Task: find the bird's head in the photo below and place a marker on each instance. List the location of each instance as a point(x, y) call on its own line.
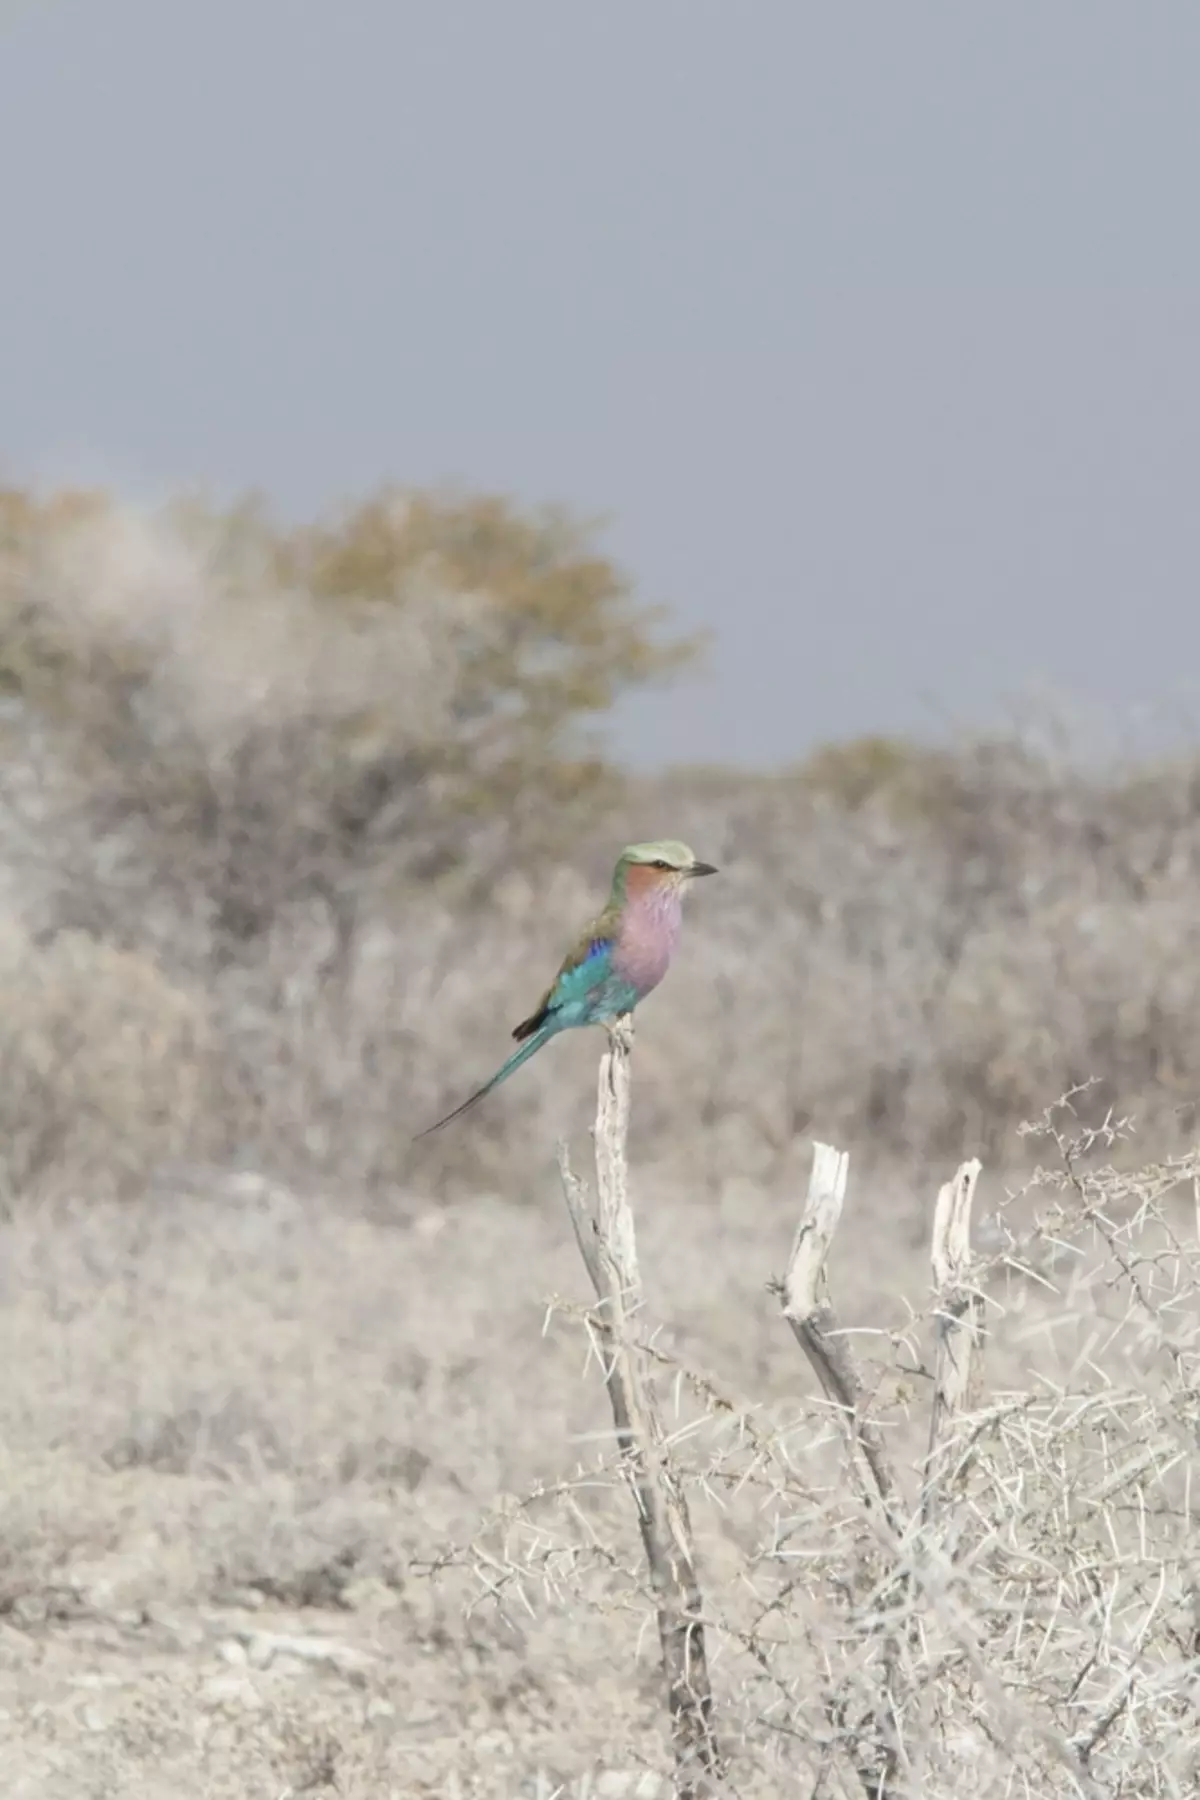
point(667, 866)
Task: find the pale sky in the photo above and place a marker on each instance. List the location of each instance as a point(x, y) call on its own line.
point(875, 327)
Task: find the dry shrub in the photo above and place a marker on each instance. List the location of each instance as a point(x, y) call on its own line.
point(1018, 1615)
point(342, 780)
point(105, 1064)
point(907, 983)
point(916, 971)
point(260, 717)
point(248, 751)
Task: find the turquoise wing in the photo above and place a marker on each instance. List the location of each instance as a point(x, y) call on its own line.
point(585, 975)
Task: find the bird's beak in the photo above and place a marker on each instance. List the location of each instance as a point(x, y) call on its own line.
point(699, 868)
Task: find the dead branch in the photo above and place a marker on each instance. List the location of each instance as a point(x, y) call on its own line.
point(959, 1327)
point(608, 1244)
point(810, 1313)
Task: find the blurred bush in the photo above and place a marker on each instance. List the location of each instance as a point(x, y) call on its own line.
point(276, 714)
point(106, 1066)
point(336, 792)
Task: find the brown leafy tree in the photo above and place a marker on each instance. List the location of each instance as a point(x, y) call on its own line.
point(264, 714)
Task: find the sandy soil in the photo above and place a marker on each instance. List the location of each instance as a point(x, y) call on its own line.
point(239, 1424)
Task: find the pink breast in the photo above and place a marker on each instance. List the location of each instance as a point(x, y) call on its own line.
point(649, 934)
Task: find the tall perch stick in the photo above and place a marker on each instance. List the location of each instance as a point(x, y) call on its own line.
point(809, 1311)
point(959, 1328)
point(883, 1763)
point(608, 1244)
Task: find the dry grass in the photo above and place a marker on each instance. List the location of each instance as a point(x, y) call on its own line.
point(233, 1413)
point(230, 1411)
point(105, 1063)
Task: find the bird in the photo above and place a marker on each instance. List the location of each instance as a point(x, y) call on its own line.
point(615, 962)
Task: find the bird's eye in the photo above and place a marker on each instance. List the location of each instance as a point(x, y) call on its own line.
point(658, 863)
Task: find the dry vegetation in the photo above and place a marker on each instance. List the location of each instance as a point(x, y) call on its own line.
point(338, 787)
point(298, 1496)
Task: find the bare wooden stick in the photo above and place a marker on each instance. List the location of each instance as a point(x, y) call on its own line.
point(608, 1245)
point(959, 1314)
point(810, 1313)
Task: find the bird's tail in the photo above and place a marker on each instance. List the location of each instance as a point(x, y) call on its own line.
point(529, 1048)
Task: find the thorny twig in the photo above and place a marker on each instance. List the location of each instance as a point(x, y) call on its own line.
point(1029, 1627)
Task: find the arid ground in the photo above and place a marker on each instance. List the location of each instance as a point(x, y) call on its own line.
point(240, 1425)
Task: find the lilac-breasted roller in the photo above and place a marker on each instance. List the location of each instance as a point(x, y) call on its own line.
point(616, 961)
